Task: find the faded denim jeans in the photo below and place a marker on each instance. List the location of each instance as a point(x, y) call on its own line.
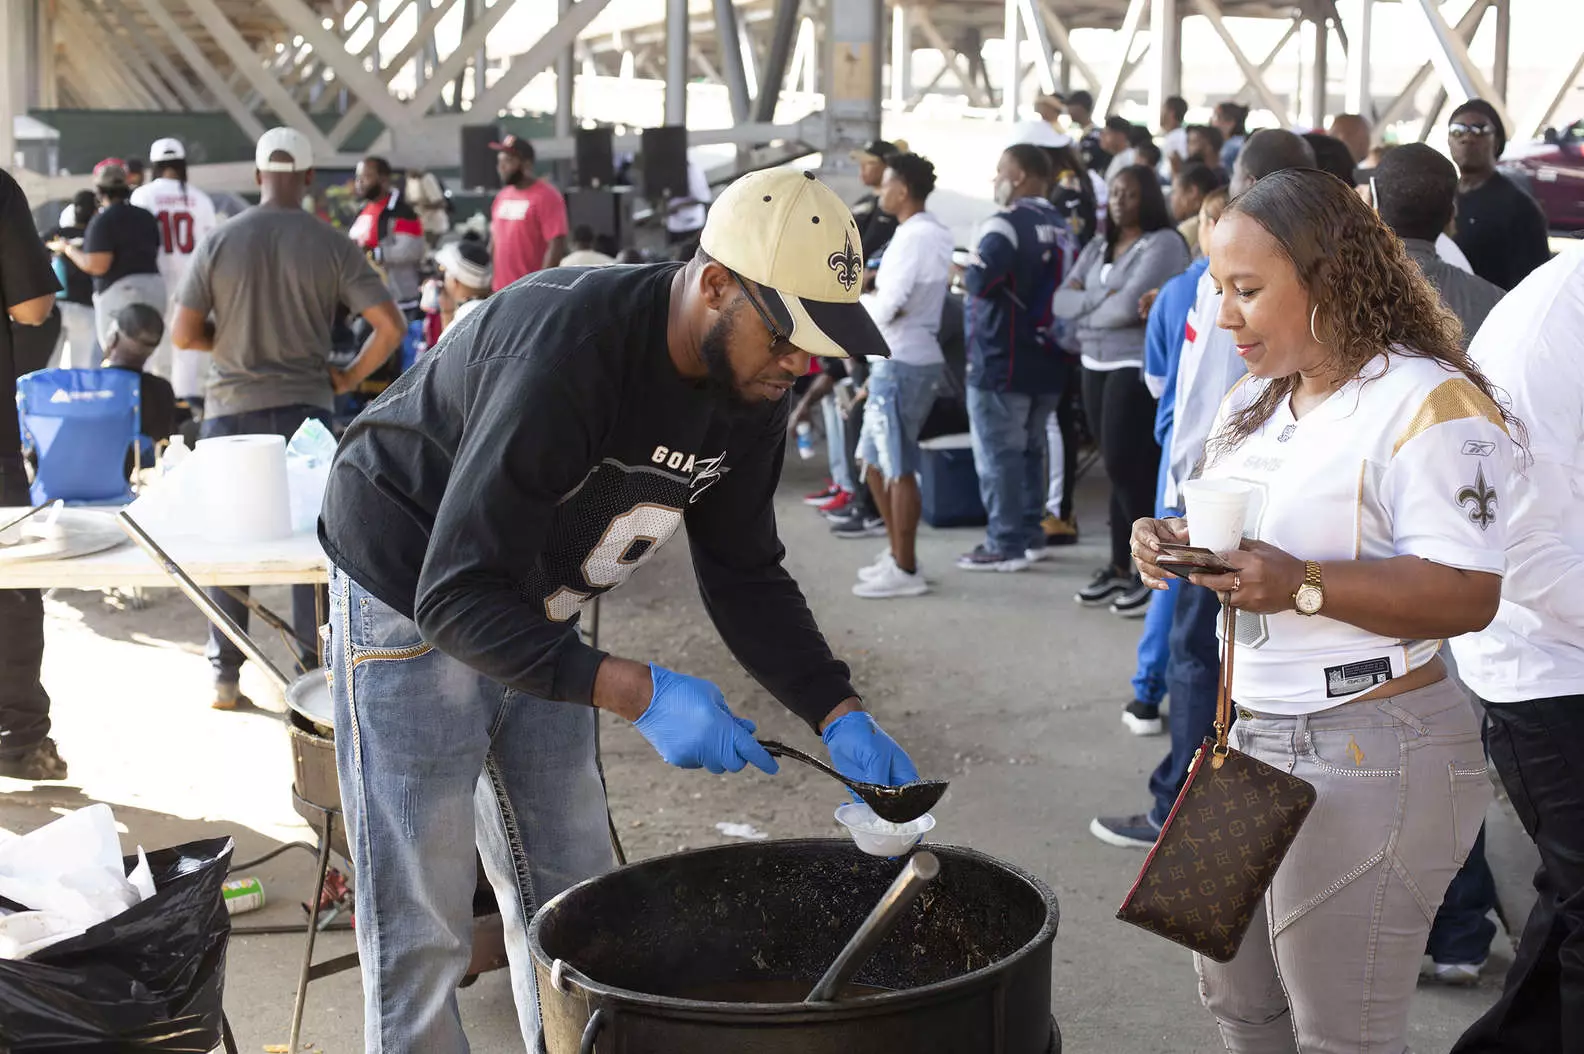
point(435, 757)
point(1332, 959)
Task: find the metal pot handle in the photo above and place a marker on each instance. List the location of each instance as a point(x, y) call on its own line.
point(591, 1031)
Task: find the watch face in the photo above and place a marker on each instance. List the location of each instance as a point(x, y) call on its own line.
point(1309, 599)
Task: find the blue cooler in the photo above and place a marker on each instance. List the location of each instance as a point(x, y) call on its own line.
point(948, 484)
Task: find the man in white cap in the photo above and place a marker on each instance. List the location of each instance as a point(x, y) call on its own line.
point(543, 451)
point(260, 296)
point(185, 215)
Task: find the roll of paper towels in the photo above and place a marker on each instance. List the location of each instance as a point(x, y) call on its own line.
point(242, 488)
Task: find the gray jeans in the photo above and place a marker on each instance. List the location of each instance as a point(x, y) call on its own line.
point(1332, 958)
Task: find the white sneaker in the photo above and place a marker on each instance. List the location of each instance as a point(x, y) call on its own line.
point(1458, 975)
point(877, 567)
point(1039, 555)
point(891, 581)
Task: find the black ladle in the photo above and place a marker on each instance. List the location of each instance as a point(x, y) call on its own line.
point(893, 804)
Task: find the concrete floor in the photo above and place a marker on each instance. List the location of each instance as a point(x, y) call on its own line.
point(999, 682)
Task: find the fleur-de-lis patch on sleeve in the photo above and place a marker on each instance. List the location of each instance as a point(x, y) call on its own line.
point(1480, 497)
point(846, 263)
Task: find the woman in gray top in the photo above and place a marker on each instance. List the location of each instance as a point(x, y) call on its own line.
point(1140, 251)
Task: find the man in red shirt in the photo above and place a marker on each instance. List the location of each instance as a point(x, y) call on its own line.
point(528, 224)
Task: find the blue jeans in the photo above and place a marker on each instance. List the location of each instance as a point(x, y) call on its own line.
point(836, 442)
point(434, 758)
point(900, 399)
point(225, 657)
point(1462, 930)
point(1154, 647)
point(1192, 674)
point(1008, 432)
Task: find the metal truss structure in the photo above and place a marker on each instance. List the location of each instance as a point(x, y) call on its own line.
point(296, 61)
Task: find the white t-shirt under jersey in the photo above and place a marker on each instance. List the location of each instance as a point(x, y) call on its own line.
point(185, 215)
point(1407, 459)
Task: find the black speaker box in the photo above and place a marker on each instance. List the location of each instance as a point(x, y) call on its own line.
point(664, 162)
point(596, 160)
point(478, 160)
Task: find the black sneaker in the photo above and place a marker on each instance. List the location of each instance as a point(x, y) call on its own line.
point(858, 526)
point(40, 763)
point(1129, 832)
point(1143, 719)
point(1103, 588)
point(1135, 602)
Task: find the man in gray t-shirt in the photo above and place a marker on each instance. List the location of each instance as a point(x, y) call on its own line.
point(272, 278)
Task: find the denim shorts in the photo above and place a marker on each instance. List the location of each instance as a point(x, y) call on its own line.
point(900, 399)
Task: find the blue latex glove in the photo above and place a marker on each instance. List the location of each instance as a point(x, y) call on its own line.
point(690, 726)
point(861, 750)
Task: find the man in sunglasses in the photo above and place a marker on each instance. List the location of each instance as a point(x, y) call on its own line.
point(531, 462)
point(1499, 227)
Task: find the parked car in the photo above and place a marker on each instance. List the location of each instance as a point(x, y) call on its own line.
point(1552, 170)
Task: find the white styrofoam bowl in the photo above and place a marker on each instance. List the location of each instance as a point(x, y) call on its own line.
point(877, 837)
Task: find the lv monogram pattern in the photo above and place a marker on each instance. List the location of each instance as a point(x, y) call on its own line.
point(1218, 853)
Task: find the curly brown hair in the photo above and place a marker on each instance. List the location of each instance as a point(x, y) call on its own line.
point(1370, 297)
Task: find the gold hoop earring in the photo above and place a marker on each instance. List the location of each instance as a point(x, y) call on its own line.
point(1312, 331)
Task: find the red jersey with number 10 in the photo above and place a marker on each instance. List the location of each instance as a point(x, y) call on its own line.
point(523, 222)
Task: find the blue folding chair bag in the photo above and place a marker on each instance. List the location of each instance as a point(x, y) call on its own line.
point(79, 425)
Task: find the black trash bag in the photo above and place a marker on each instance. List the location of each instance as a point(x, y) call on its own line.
point(150, 979)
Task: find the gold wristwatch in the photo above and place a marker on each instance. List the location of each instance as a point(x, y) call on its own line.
point(1311, 595)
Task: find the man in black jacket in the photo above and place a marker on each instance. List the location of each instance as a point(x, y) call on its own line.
point(551, 442)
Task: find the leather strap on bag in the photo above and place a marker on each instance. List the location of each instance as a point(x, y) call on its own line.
point(1223, 721)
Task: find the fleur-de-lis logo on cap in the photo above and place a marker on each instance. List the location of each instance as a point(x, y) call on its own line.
point(846, 264)
point(1481, 498)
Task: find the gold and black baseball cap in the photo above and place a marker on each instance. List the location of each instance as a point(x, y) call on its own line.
point(794, 238)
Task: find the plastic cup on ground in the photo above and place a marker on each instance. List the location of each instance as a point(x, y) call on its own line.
point(1217, 509)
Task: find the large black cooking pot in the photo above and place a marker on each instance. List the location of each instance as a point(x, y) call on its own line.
point(969, 964)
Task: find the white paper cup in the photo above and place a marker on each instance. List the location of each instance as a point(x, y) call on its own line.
point(1217, 509)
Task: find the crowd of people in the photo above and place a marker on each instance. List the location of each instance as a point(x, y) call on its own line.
point(1374, 341)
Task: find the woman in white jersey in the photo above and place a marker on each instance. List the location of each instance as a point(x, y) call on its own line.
point(1379, 461)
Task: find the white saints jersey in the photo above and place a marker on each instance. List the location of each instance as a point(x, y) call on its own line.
point(1407, 459)
point(185, 215)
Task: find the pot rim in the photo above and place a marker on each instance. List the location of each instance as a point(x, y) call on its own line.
point(675, 1006)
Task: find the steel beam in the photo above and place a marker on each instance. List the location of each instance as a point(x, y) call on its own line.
point(1070, 57)
point(529, 64)
point(136, 55)
point(1551, 99)
point(1256, 79)
point(951, 57)
point(355, 113)
point(1461, 78)
point(1317, 74)
point(1011, 67)
point(1358, 98)
point(1165, 55)
point(1503, 46)
point(1112, 86)
point(750, 57)
point(730, 45)
point(84, 32)
point(706, 68)
point(380, 28)
point(676, 40)
point(565, 80)
point(429, 93)
point(1038, 35)
point(1466, 27)
point(783, 34)
point(201, 66)
point(850, 79)
point(270, 89)
point(302, 21)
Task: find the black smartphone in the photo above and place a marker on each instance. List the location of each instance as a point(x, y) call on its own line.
point(1185, 560)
